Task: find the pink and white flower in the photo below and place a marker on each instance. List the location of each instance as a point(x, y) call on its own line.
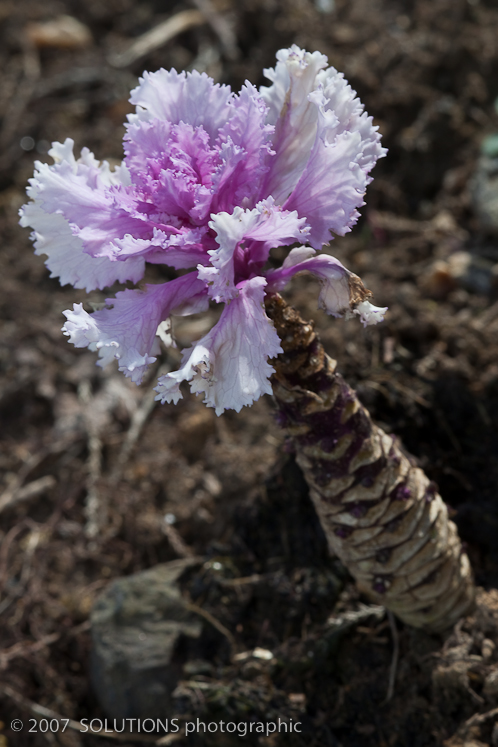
point(211, 182)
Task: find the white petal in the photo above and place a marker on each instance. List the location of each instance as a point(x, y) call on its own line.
point(66, 258)
point(230, 364)
point(325, 143)
point(294, 116)
point(370, 314)
point(339, 98)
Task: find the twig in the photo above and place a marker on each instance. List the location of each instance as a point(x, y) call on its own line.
point(25, 649)
point(176, 541)
point(138, 419)
point(6, 543)
point(21, 649)
point(34, 460)
point(477, 718)
point(352, 618)
point(447, 428)
point(409, 393)
point(242, 580)
point(213, 621)
point(221, 28)
point(32, 490)
point(157, 37)
point(170, 738)
point(394, 662)
point(94, 509)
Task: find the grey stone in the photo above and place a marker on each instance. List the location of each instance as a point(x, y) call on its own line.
point(137, 626)
point(484, 193)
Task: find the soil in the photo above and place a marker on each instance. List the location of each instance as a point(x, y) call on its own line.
point(90, 467)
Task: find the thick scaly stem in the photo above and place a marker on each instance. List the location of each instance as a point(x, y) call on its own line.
point(382, 516)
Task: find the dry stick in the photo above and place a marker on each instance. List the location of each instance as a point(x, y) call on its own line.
point(176, 541)
point(345, 620)
point(380, 513)
point(157, 37)
point(138, 420)
point(221, 28)
point(95, 508)
point(15, 491)
point(23, 648)
point(394, 662)
point(475, 720)
point(214, 622)
point(32, 490)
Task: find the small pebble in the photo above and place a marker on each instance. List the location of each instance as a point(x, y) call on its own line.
point(487, 649)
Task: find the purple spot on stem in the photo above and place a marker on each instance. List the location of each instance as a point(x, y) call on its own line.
point(328, 443)
point(289, 447)
point(342, 531)
point(358, 510)
point(383, 555)
point(430, 492)
point(379, 586)
point(281, 419)
point(401, 493)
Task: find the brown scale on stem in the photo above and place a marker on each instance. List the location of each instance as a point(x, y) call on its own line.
point(381, 514)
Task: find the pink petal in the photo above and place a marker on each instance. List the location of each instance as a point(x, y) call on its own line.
point(192, 98)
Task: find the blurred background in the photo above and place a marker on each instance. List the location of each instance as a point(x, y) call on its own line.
point(96, 481)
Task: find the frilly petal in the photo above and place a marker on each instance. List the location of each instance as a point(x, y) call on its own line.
point(330, 189)
point(245, 150)
point(342, 293)
point(337, 97)
point(127, 331)
point(293, 115)
point(325, 143)
point(86, 193)
point(266, 226)
point(66, 259)
point(229, 366)
point(179, 250)
point(54, 237)
point(192, 98)
point(346, 148)
point(370, 314)
point(143, 142)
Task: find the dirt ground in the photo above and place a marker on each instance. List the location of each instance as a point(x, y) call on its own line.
point(90, 467)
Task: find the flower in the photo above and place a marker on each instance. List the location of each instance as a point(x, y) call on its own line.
point(211, 182)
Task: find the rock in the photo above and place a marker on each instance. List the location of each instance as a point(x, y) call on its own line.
point(491, 684)
point(139, 625)
point(484, 193)
point(461, 270)
point(487, 649)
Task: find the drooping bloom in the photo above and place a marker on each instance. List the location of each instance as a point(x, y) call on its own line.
point(210, 183)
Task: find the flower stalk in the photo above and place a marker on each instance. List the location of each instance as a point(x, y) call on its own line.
point(381, 514)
